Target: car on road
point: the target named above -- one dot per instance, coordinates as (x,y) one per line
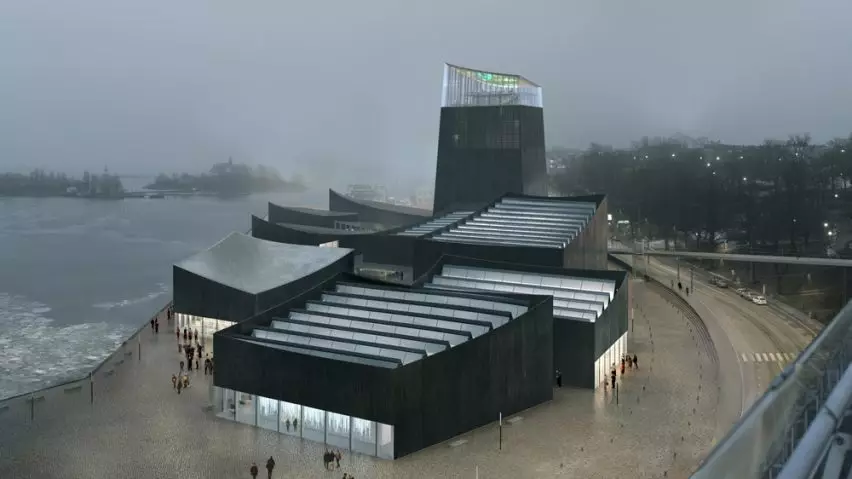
(721,283)
(742,292)
(758,299)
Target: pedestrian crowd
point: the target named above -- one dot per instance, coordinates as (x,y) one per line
(627,362)
(192,350)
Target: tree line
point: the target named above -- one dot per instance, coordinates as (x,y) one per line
(227,178)
(778,196)
(39,182)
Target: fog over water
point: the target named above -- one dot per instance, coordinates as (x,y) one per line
(79,276)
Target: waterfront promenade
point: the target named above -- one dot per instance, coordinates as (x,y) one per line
(139,427)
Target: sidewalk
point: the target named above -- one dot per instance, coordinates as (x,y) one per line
(140,428)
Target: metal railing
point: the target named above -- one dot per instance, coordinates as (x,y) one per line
(82,391)
(763,439)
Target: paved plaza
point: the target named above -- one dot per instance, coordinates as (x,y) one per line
(139,427)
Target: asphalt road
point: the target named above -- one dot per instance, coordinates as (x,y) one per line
(754,342)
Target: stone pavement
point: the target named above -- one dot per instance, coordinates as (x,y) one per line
(140,428)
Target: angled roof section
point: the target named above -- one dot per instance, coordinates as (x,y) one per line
(311,211)
(386,326)
(574,297)
(435,224)
(254,265)
(379,205)
(319,229)
(525,221)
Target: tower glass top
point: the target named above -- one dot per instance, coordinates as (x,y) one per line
(466,87)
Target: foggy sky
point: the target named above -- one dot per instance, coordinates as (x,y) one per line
(350,90)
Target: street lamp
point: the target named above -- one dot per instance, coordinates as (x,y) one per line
(745,179)
(708,165)
(836,195)
(825,225)
(673,155)
(717,158)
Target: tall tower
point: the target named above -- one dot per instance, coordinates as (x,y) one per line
(491,139)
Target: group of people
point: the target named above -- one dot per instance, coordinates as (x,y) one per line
(295,424)
(627,362)
(270,465)
(330,458)
(192,353)
(180,382)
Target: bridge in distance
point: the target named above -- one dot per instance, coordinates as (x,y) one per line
(745,258)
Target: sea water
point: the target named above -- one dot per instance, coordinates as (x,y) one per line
(79,277)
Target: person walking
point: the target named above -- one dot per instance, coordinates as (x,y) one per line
(174,381)
(179,385)
(156,326)
(253,470)
(270,465)
(177,335)
(635,361)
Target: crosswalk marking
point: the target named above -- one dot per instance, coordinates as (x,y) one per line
(775,357)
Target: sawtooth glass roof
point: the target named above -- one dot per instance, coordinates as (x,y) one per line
(433,225)
(578,298)
(539,222)
(254,265)
(385,327)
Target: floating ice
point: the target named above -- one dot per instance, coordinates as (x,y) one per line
(34,353)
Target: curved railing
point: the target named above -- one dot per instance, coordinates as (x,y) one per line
(83,390)
(759,444)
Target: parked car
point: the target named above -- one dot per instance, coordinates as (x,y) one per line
(741,291)
(758,299)
(721,283)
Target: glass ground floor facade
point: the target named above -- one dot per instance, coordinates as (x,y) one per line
(611,358)
(338,431)
(205,327)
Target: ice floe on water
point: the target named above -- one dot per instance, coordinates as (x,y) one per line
(163,289)
(34,353)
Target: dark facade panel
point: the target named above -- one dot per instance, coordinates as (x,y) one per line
(266,230)
(612,324)
(507,370)
(343,387)
(382,248)
(487,151)
(428,253)
(375,212)
(200,296)
(308,216)
(589,248)
(574,352)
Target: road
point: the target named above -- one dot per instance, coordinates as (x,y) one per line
(754,342)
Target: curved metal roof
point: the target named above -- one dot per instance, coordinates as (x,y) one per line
(254,265)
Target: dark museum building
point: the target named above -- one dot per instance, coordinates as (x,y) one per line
(385,329)
(492,129)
